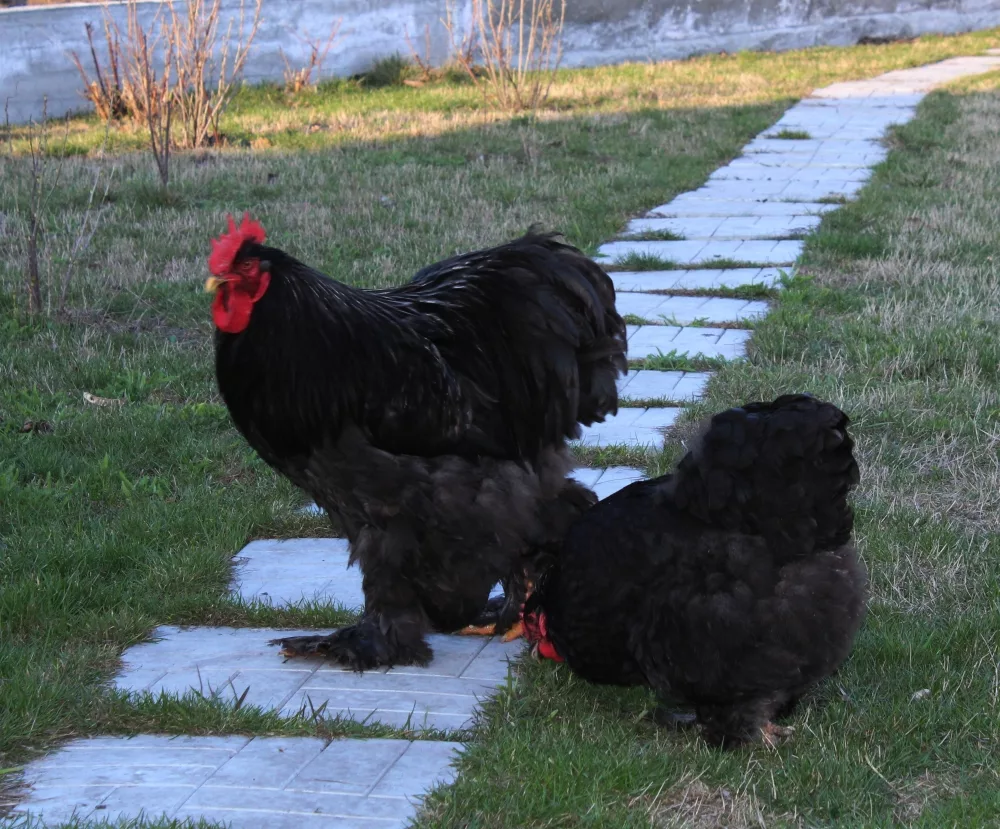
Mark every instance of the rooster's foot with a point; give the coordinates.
(360, 647)
(773, 735)
(677, 720)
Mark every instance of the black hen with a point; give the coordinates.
(432, 419)
(735, 585)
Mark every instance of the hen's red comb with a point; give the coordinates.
(225, 248)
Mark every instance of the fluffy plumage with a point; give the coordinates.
(731, 585)
(430, 419)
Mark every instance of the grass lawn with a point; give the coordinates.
(895, 319)
(115, 519)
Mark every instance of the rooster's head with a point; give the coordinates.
(238, 279)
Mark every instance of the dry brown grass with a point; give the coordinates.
(692, 804)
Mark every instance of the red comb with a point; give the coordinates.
(225, 248)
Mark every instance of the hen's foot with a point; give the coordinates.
(677, 720)
(360, 647)
(516, 631)
(773, 735)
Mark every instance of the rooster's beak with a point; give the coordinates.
(212, 284)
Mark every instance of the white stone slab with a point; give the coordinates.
(696, 252)
(769, 172)
(298, 571)
(644, 384)
(729, 227)
(616, 478)
(693, 280)
(682, 206)
(655, 340)
(662, 309)
(259, 782)
(230, 662)
(800, 191)
(632, 427)
(811, 148)
(898, 101)
(903, 82)
(604, 480)
(288, 594)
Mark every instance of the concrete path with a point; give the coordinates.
(750, 217)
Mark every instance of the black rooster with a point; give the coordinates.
(736, 585)
(432, 419)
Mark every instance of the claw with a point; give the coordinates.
(773, 735)
(516, 631)
(478, 630)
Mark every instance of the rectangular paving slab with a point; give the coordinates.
(292, 590)
(735, 207)
(683, 310)
(706, 279)
(655, 340)
(282, 782)
(295, 571)
(726, 227)
(700, 251)
(788, 191)
(668, 385)
(769, 172)
(238, 663)
(636, 428)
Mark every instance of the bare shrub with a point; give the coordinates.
(519, 46)
(422, 62)
(184, 61)
(46, 290)
(205, 69)
(299, 78)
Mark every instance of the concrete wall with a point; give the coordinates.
(613, 31)
(35, 41)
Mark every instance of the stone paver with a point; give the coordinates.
(728, 227)
(729, 207)
(636, 428)
(294, 593)
(683, 310)
(298, 571)
(233, 662)
(698, 251)
(769, 172)
(615, 479)
(747, 210)
(655, 340)
(666, 385)
(693, 280)
(247, 782)
(789, 191)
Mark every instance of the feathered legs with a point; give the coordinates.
(730, 726)
(390, 633)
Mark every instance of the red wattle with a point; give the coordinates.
(231, 310)
(548, 650)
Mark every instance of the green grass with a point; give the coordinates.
(792, 135)
(119, 519)
(894, 319)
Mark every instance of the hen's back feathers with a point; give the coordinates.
(781, 470)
